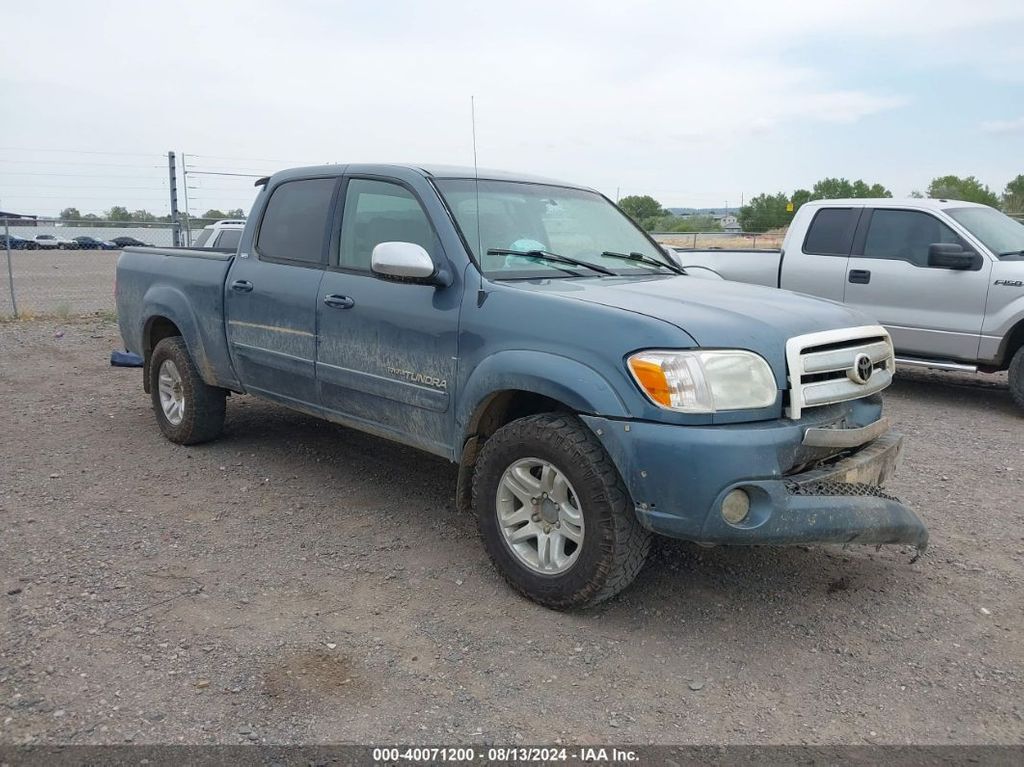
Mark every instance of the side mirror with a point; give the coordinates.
(948, 255)
(404, 260)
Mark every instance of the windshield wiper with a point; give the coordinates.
(545, 255)
(1012, 253)
(642, 259)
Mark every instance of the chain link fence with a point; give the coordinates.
(66, 268)
(722, 240)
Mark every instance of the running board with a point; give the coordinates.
(911, 362)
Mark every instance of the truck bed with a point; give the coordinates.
(184, 285)
(757, 267)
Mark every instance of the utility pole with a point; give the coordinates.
(172, 180)
(188, 216)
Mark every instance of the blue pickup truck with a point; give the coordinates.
(589, 389)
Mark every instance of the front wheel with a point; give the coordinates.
(554, 514)
(188, 410)
(1017, 377)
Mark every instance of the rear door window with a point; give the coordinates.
(831, 232)
(295, 223)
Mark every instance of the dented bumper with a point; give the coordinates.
(679, 477)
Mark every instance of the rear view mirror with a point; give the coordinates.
(402, 259)
(948, 255)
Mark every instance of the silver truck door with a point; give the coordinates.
(817, 266)
(931, 312)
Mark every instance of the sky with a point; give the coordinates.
(697, 104)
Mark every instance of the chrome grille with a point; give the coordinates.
(821, 366)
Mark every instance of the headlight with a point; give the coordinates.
(704, 381)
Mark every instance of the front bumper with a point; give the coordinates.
(679, 476)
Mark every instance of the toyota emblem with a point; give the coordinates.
(861, 370)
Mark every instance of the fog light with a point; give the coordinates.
(736, 506)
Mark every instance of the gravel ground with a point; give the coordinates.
(299, 582)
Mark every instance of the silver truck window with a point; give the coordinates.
(904, 235)
(295, 221)
(376, 212)
(831, 232)
(1000, 233)
(201, 240)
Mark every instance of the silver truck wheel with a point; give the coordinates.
(540, 516)
(188, 410)
(1017, 377)
(172, 398)
(554, 515)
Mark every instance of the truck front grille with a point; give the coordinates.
(823, 366)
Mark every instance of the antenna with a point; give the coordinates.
(476, 183)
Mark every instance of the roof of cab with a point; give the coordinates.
(921, 203)
(427, 171)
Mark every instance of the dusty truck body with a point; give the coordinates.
(944, 277)
(590, 391)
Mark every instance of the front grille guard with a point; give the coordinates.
(839, 488)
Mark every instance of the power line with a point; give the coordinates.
(79, 151)
(70, 175)
(256, 159)
(73, 162)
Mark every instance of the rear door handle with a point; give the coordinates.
(242, 286)
(860, 276)
(339, 302)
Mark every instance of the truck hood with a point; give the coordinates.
(715, 314)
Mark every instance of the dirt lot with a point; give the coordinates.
(299, 582)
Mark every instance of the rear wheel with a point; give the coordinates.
(1017, 377)
(554, 515)
(188, 410)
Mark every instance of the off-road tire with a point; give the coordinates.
(615, 544)
(1017, 378)
(203, 418)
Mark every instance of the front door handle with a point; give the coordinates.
(242, 286)
(339, 302)
(860, 276)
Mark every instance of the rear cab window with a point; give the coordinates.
(831, 232)
(295, 223)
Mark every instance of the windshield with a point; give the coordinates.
(999, 233)
(573, 223)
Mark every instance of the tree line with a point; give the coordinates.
(120, 215)
(775, 211)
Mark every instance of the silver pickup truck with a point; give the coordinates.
(945, 278)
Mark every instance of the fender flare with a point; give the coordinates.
(171, 303)
(563, 379)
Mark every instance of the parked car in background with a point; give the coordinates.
(91, 243)
(128, 242)
(221, 235)
(53, 242)
(590, 391)
(945, 278)
(17, 243)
